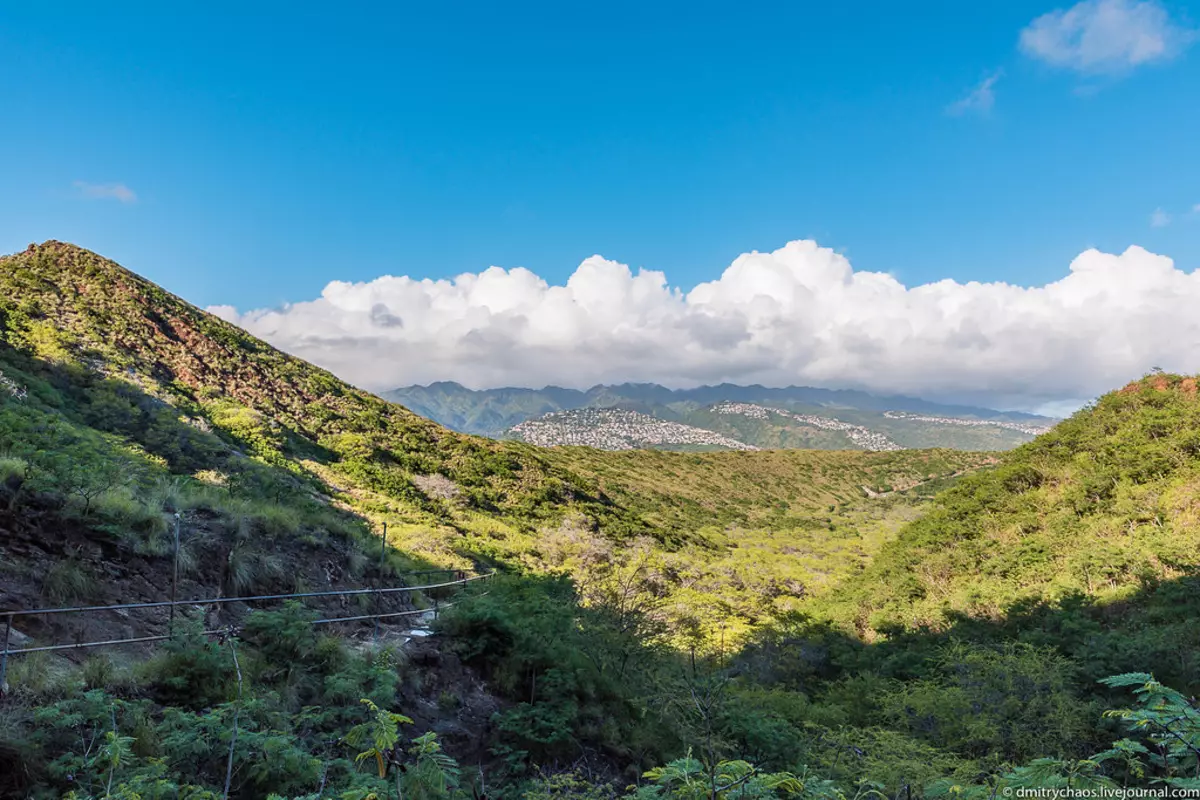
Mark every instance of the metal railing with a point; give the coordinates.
(460, 579)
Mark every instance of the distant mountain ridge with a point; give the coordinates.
(909, 421)
(492, 411)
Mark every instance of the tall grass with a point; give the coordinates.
(141, 526)
(169, 493)
(67, 581)
(40, 676)
(251, 571)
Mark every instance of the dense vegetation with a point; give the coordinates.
(1097, 522)
(716, 625)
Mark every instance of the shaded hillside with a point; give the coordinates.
(982, 636)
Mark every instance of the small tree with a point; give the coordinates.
(431, 775)
(89, 481)
(1170, 723)
(434, 775)
(116, 752)
(377, 737)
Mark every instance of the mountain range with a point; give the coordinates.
(726, 416)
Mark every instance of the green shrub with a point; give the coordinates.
(169, 493)
(1007, 703)
(98, 671)
(431, 774)
(1164, 736)
(192, 671)
(12, 467)
(277, 520)
(373, 674)
(39, 676)
(689, 779)
(481, 633)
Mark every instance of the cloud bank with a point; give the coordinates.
(798, 315)
(1105, 36)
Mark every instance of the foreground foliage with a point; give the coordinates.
(275, 741)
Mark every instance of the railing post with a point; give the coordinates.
(4, 658)
(174, 580)
(236, 713)
(379, 580)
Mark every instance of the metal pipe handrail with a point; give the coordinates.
(81, 645)
(7, 651)
(165, 636)
(412, 613)
(245, 599)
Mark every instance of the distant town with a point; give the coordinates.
(863, 437)
(1024, 427)
(622, 429)
(617, 429)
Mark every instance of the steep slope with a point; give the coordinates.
(64, 304)
(1096, 523)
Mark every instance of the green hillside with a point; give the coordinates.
(1104, 505)
(920, 620)
(1101, 516)
(67, 306)
(988, 627)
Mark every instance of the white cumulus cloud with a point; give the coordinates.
(798, 315)
(1105, 35)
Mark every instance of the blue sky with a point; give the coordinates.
(272, 152)
(248, 159)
